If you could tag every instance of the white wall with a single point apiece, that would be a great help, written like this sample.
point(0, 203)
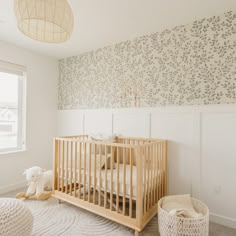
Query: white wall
point(201, 147)
point(42, 75)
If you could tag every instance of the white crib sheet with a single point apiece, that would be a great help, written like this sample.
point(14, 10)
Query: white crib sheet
point(110, 173)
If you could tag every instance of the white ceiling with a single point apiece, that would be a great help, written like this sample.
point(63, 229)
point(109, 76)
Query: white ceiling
point(100, 23)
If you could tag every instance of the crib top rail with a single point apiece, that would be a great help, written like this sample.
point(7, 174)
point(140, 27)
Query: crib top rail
point(82, 136)
point(118, 141)
point(95, 142)
point(133, 139)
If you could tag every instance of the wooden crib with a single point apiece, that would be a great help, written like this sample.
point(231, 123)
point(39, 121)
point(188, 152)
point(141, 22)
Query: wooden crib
point(120, 180)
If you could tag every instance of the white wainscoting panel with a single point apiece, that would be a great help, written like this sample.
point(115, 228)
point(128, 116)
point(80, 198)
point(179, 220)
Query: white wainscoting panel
point(132, 124)
point(98, 121)
point(70, 122)
point(218, 158)
point(178, 130)
point(201, 146)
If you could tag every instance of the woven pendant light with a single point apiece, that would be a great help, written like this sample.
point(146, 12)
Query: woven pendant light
point(49, 21)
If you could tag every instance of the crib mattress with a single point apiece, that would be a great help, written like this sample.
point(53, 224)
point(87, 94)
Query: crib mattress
point(110, 178)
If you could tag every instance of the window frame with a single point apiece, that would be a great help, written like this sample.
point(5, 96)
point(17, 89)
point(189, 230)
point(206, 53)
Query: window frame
point(19, 70)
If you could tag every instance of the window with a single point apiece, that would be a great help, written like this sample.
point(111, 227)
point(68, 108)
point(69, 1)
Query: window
point(12, 107)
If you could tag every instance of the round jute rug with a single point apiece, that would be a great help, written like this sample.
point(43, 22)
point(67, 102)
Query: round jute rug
point(53, 219)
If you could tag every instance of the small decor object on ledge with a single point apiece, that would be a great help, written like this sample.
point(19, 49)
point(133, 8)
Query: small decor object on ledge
point(182, 215)
point(49, 21)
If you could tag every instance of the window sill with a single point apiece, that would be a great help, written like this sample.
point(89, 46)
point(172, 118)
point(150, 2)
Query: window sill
point(13, 151)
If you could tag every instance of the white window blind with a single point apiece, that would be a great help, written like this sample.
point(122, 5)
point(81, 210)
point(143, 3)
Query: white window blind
point(12, 107)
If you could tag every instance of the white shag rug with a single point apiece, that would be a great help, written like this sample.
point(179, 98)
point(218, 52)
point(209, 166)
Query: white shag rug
point(53, 219)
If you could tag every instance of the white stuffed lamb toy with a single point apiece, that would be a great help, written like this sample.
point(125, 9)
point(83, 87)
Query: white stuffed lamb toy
point(38, 180)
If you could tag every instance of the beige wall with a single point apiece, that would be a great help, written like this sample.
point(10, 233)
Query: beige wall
point(42, 74)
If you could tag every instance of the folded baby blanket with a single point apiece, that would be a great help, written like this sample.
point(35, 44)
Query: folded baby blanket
point(181, 206)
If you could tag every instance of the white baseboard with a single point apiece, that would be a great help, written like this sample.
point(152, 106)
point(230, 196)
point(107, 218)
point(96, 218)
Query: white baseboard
point(222, 220)
point(12, 187)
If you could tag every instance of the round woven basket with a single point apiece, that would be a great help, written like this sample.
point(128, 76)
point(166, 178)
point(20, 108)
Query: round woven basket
point(178, 226)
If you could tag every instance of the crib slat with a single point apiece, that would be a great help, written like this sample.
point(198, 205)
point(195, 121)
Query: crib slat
point(159, 160)
point(59, 165)
point(67, 156)
point(145, 178)
point(62, 175)
point(117, 180)
point(71, 166)
point(150, 176)
point(158, 171)
point(139, 190)
point(165, 171)
point(159, 168)
point(155, 173)
point(55, 163)
point(105, 193)
point(131, 183)
point(75, 166)
point(165, 167)
point(111, 179)
point(124, 178)
point(89, 173)
point(80, 166)
point(151, 180)
point(160, 177)
point(148, 179)
point(100, 174)
point(95, 170)
point(85, 160)
point(152, 184)
point(162, 184)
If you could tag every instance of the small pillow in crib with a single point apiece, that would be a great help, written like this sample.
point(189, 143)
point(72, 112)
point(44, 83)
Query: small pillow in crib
point(102, 137)
point(106, 138)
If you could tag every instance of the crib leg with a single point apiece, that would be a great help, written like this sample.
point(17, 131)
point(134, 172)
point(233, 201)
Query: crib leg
point(60, 201)
point(136, 233)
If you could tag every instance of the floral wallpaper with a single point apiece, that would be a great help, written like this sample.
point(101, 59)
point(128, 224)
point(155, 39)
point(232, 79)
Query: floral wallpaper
point(189, 65)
